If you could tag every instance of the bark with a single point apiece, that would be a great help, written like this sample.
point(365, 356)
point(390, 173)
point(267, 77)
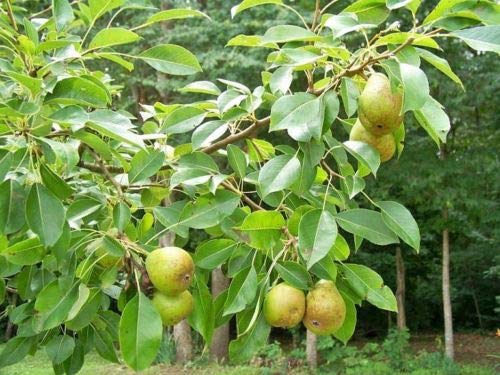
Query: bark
point(311, 352)
point(183, 342)
point(182, 330)
point(447, 312)
point(220, 341)
point(476, 306)
point(400, 291)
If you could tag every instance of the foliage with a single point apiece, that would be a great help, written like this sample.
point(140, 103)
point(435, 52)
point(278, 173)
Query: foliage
point(79, 175)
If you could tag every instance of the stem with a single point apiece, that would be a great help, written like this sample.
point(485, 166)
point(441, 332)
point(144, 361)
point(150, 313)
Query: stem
point(11, 15)
point(327, 6)
point(317, 14)
point(297, 13)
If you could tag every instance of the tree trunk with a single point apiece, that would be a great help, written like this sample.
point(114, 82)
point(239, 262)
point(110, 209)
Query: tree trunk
point(220, 341)
point(400, 291)
point(311, 352)
point(182, 330)
point(478, 311)
point(448, 319)
point(447, 312)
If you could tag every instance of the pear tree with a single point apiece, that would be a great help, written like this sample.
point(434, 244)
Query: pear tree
point(266, 175)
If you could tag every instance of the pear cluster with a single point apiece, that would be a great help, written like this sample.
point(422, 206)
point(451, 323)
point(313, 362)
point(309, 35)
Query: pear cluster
point(171, 270)
point(380, 114)
point(323, 311)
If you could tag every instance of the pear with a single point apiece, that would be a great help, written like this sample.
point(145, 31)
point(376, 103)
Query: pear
point(379, 108)
point(173, 309)
point(325, 309)
point(284, 306)
point(107, 260)
point(170, 269)
point(384, 144)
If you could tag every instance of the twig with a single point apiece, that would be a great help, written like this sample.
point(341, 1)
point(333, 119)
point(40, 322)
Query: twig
point(330, 170)
point(11, 15)
point(317, 13)
point(249, 201)
point(107, 173)
point(238, 136)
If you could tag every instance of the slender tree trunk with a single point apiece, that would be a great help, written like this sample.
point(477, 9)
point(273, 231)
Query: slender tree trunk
point(476, 306)
point(220, 341)
point(311, 352)
point(400, 291)
point(447, 312)
point(182, 330)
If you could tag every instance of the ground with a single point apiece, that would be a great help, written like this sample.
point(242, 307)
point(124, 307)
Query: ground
point(470, 349)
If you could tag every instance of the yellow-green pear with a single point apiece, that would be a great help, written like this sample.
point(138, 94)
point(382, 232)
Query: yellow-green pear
point(173, 309)
point(170, 269)
point(325, 309)
point(379, 108)
point(384, 144)
point(107, 260)
point(284, 306)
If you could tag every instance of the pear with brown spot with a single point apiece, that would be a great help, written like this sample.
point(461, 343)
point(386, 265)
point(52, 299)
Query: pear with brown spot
point(284, 306)
point(170, 269)
point(325, 309)
point(379, 107)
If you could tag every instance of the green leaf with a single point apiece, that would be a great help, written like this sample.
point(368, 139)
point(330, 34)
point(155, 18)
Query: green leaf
point(5, 164)
point(345, 23)
point(116, 59)
point(141, 332)
point(325, 268)
point(63, 13)
point(244, 347)
point(345, 332)
point(32, 84)
point(55, 183)
point(208, 210)
point(416, 87)
point(59, 348)
point(24, 253)
point(300, 114)
point(237, 160)
point(349, 92)
point(402, 37)
point(242, 291)
point(247, 4)
point(53, 304)
point(45, 214)
point(171, 59)
point(366, 224)
point(79, 90)
point(205, 134)
point(278, 174)
point(183, 119)
point(294, 274)
point(202, 319)
point(174, 14)
point(12, 206)
point(104, 344)
point(211, 254)
point(16, 349)
point(82, 208)
point(121, 216)
point(263, 228)
point(364, 153)
point(317, 233)
point(440, 64)
point(201, 87)
point(145, 164)
point(395, 4)
point(112, 37)
point(288, 33)
point(2, 290)
point(370, 286)
point(79, 319)
point(434, 120)
point(400, 221)
point(369, 11)
point(281, 79)
point(482, 38)
point(440, 9)
point(114, 125)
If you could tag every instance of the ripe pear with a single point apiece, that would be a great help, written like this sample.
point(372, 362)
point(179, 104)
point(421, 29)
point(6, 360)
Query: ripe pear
point(284, 306)
point(379, 108)
point(385, 144)
point(325, 309)
point(107, 260)
point(173, 309)
point(170, 269)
